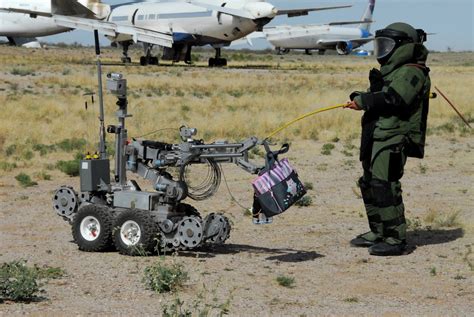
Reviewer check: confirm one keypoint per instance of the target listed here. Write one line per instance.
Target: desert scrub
(43, 176)
(70, 145)
(162, 278)
(71, 167)
(285, 281)
(25, 180)
(7, 167)
(304, 201)
(439, 219)
(18, 282)
(414, 224)
(351, 300)
(308, 185)
(327, 148)
(205, 304)
(22, 72)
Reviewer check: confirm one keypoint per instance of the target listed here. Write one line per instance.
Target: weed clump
(7, 167)
(44, 149)
(351, 300)
(327, 148)
(21, 283)
(308, 185)
(10, 150)
(25, 180)
(286, 281)
(71, 167)
(18, 282)
(162, 278)
(304, 201)
(22, 72)
(442, 219)
(70, 145)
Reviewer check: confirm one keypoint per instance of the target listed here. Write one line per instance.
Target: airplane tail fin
(368, 14)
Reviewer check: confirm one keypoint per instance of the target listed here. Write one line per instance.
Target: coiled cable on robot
(208, 186)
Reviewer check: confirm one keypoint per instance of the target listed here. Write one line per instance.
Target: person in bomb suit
(393, 128)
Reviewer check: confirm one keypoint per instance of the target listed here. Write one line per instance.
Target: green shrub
(18, 282)
(304, 201)
(327, 148)
(7, 167)
(22, 72)
(28, 155)
(162, 278)
(10, 150)
(25, 180)
(44, 149)
(47, 272)
(308, 185)
(74, 144)
(70, 168)
(351, 300)
(43, 176)
(286, 281)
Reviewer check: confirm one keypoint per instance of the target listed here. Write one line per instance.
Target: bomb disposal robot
(118, 212)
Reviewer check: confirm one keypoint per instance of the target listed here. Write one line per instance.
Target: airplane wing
(162, 38)
(299, 12)
(72, 14)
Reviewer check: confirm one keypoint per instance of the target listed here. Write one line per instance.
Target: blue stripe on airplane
(365, 34)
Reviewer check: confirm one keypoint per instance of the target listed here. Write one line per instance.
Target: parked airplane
(21, 28)
(322, 37)
(189, 23)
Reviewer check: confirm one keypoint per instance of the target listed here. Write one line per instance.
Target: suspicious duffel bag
(277, 187)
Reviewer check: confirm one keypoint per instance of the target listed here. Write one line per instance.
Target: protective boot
(387, 249)
(365, 240)
(374, 235)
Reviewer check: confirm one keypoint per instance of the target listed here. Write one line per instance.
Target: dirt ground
(309, 244)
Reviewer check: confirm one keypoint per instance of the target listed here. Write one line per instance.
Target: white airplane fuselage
(23, 25)
(311, 37)
(190, 24)
(19, 25)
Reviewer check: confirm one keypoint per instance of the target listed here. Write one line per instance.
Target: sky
(451, 21)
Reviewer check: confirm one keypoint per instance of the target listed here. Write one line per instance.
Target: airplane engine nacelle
(344, 48)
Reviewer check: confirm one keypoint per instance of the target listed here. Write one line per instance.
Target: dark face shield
(383, 46)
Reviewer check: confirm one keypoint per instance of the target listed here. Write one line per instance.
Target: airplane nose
(261, 10)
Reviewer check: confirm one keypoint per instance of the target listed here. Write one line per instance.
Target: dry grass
(41, 93)
(442, 219)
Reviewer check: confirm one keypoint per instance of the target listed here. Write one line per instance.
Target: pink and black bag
(277, 187)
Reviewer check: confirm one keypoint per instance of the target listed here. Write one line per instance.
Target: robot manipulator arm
(159, 155)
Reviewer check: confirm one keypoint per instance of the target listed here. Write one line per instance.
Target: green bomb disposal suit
(393, 128)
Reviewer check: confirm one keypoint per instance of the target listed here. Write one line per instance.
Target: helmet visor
(383, 46)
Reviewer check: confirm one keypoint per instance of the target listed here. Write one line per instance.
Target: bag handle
(271, 157)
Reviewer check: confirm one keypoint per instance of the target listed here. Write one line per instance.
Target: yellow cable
(286, 125)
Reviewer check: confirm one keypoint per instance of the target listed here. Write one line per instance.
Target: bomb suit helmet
(387, 40)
